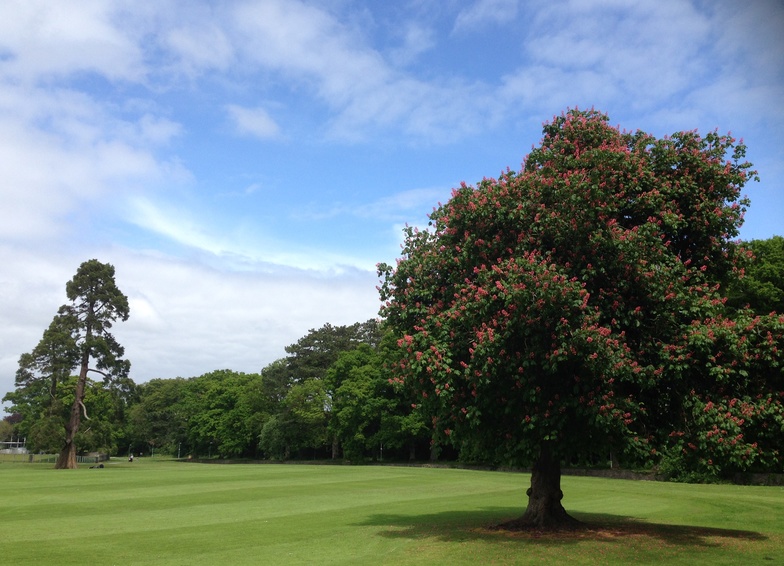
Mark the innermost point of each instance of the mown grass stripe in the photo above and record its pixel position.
(159, 512)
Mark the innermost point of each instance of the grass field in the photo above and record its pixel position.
(163, 512)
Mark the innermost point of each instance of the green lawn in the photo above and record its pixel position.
(162, 512)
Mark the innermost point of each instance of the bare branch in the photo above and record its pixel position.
(84, 410)
(103, 373)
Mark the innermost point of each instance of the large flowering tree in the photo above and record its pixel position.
(575, 306)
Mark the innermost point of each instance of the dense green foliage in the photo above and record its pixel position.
(330, 392)
(368, 413)
(762, 288)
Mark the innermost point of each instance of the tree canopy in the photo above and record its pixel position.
(559, 311)
(762, 287)
(303, 395)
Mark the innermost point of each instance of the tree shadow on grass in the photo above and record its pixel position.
(487, 524)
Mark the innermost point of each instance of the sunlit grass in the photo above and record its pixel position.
(162, 512)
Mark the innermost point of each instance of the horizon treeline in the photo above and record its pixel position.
(331, 396)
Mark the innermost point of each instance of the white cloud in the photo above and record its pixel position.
(305, 45)
(483, 12)
(613, 50)
(186, 319)
(240, 320)
(297, 38)
(749, 37)
(312, 48)
(62, 154)
(416, 40)
(404, 203)
(242, 246)
(668, 65)
(254, 122)
(42, 38)
(200, 45)
(173, 223)
(550, 89)
(396, 207)
(153, 130)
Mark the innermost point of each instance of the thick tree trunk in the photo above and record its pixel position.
(67, 458)
(544, 510)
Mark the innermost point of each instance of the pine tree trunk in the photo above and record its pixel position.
(544, 511)
(67, 458)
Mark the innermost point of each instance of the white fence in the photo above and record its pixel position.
(49, 458)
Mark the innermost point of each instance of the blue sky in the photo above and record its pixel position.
(245, 164)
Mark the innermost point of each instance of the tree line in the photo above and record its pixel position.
(331, 396)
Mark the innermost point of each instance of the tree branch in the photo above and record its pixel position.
(84, 410)
(106, 375)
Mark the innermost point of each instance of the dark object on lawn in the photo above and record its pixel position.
(98, 466)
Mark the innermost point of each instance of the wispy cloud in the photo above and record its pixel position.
(393, 208)
(186, 318)
(366, 92)
(198, 42)
(255, 122)
(61, 152)
(240, 246)
(416, 39)
(174, 224)
(602, 55)
(48, 39)
(483, 12)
